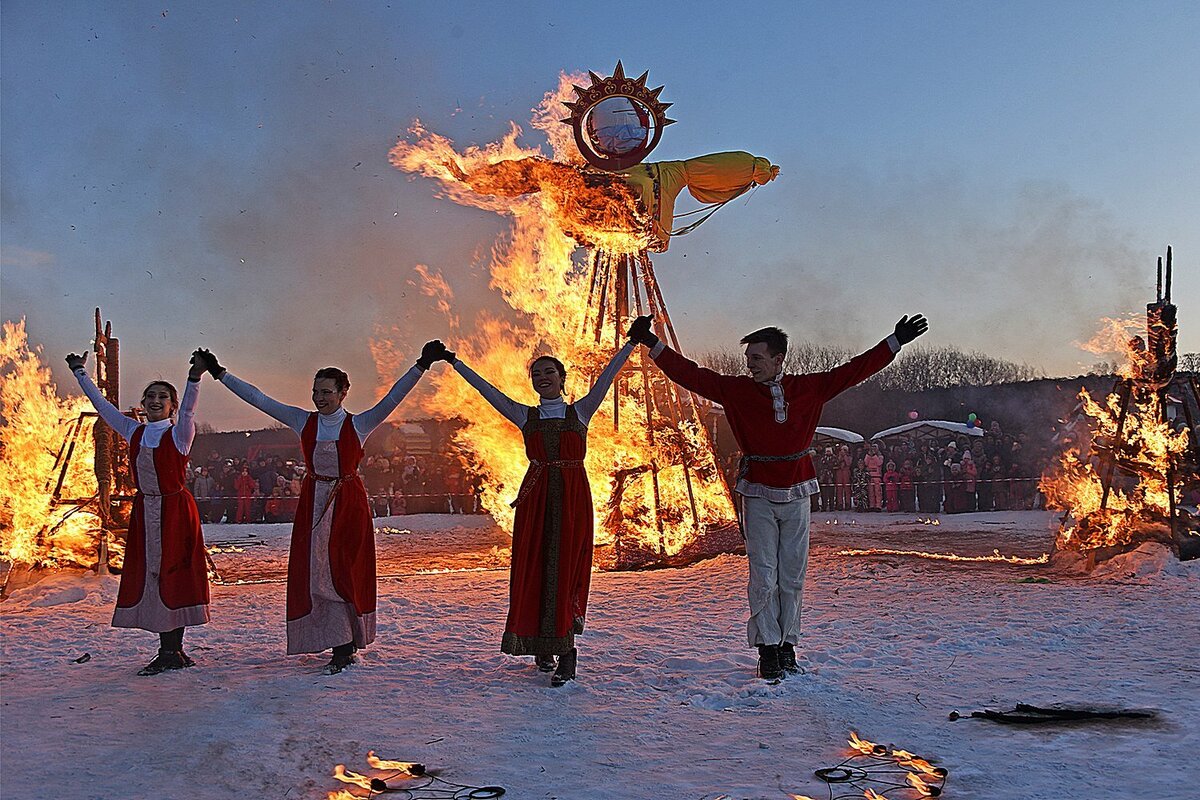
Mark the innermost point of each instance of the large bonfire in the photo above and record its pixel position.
(1125, 443)
(36, 527)
(645, 496)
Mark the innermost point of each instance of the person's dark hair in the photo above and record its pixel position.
(171, 390)
(340, 379)
(558, 365)
(775, 340)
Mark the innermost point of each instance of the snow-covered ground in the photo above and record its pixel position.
(666, 705)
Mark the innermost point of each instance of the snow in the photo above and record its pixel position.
(666, 705)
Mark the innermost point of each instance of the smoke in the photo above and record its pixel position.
(838, 257)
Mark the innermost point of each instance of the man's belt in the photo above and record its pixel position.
(744, 464)
(535, 471)
(329, 478)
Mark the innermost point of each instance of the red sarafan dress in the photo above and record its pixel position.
(552, 540)
(331, 564)
(164, 583)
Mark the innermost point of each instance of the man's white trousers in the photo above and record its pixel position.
(777, 549)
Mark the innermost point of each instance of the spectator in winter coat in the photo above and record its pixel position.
(908, 498)
(826, 469)
(874, 465)
(970, 474)
(860, 482)
(841, 478)
(202, 490)
(891, 487)
(245, 488)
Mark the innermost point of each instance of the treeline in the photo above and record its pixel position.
(916, 369)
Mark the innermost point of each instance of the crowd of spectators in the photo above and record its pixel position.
(997, 471)
(993, 472)
(266, 488)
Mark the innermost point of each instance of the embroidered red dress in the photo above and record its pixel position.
(331, 565)
(551, 568)
(552, 540)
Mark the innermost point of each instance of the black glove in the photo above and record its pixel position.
(76, 361)
(433, 351)
(640, 332)
(209, 362)
(909, 329)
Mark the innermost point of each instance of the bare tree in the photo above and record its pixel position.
(917, 368)
(1189, 362)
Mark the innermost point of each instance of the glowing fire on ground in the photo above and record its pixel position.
(996, 557)
(1138, 493)
(33, 423)
(555, 206)
(919, 775)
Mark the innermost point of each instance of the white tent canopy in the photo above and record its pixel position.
(930, 429)
(823, 434)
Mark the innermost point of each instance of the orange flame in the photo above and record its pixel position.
(346, 776)
(996, 556)
(1145, 449)
(380, 763)
(33, 423)
(555, 206)
(921, 786)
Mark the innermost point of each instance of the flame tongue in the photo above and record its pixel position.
(33, 423)
(641, 490)
(1129, 434)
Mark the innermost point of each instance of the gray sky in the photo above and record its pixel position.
(216, 174)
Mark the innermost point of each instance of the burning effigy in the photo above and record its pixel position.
(576, 269)
(1131, 457)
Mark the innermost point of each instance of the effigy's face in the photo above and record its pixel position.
(617, 126)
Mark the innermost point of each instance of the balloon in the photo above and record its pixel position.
(913, 415)
(972, 416)
(970, 423)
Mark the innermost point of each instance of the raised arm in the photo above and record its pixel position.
(513, 411)
(837, 380)
(123, 425)
(681, 370)
(372, 418)
(184, 430)
(291, 416)
(587, 406)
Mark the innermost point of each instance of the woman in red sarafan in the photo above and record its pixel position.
(164, 583)
(552, 533)
(331, 562)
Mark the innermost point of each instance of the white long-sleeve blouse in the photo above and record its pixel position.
(185, 425)
(329, 426)
(553, 408)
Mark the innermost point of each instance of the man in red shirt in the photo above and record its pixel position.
(773, 417)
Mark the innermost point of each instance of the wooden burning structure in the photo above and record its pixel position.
(1154, 377)
(110, 456)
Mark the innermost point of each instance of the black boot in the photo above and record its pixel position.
(768, 662)
(545, 663)
(166, 660)
(566, 668)
(787, 659)
(343, 656)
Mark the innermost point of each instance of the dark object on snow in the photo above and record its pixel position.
(545, 663)
(1025, 714)
(768, 662)
(83, 659)
(566, 668)
(166, 660)
(787, 659)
